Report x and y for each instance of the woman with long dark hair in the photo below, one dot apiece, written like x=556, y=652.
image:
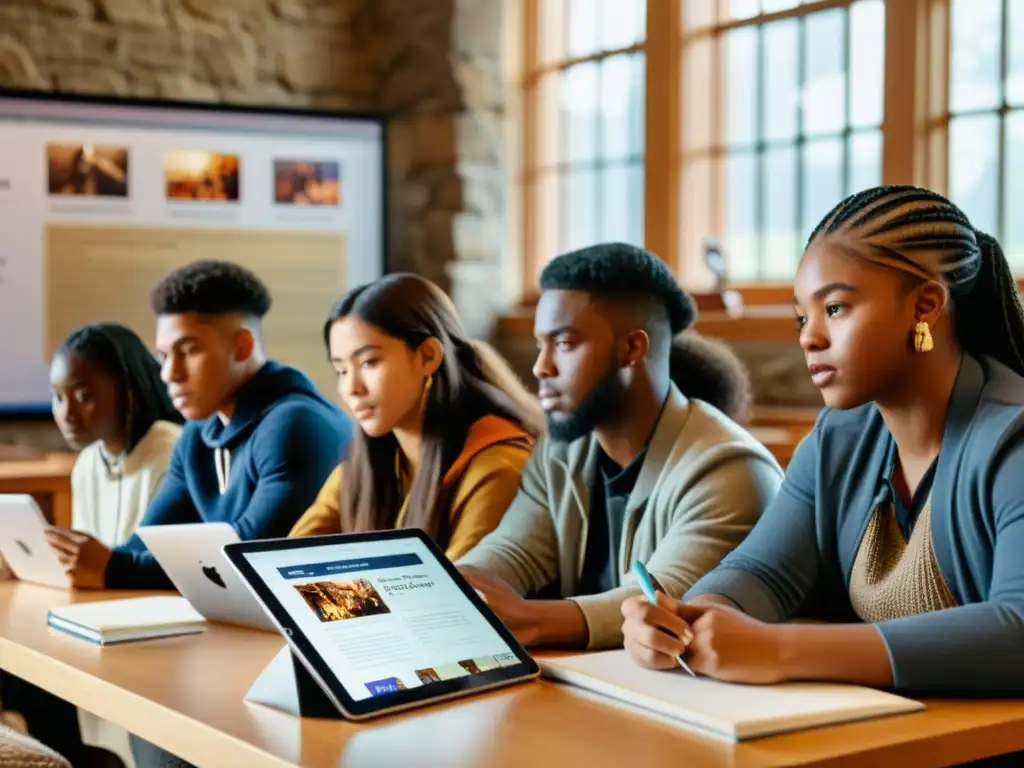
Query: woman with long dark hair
x=445, y=424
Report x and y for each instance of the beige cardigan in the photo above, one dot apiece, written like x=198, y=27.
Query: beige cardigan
x=703, y=484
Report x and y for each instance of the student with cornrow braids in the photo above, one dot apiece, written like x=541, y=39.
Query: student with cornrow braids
x=901, y=519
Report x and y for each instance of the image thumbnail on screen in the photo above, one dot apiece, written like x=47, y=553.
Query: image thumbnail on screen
x=340, y=600
x=193, y=175
x=299, y=182
x=87, y=170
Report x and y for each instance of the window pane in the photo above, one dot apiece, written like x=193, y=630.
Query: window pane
x=822, y=181
x=622, y=204
x=975, y=34
x=1013, y=195
x=865, y=161
x=740, y=9
x=779, y=75
x=579, y=201
x=622, y=22
x=867, y=62
x=622, y=106
x=1015, y=53
x=824, y=91
x=740, y=237
x=581, y=27
x=579, y=112
x=703, y=13
x=779, y=244
x=773, y=6
x=635, y=182
x=741, y=96
x=973, y=174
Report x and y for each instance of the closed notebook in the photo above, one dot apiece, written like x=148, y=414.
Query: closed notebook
x=726, y=710
x=134, y=618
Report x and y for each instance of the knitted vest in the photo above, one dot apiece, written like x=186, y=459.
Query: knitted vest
x=893, y=577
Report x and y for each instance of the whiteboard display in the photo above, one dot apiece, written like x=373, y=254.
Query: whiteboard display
x=100, y=198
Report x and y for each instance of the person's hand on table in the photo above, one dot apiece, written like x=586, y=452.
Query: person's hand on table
x=716, y=640
x=83, y=557
x=6, y=574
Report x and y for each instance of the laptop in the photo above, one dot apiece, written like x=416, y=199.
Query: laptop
x=192, y=557
x=23, y=543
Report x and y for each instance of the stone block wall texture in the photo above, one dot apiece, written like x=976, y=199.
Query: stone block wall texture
x=433, y=65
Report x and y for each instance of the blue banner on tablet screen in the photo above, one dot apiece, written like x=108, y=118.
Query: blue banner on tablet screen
x=384, y=615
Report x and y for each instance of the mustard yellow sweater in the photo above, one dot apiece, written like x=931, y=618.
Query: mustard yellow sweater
x=486, y=479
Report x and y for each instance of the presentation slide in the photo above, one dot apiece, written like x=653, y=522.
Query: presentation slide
x=99, y=200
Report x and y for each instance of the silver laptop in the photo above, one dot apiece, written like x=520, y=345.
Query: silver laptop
x=192, y=557
x=23, y=543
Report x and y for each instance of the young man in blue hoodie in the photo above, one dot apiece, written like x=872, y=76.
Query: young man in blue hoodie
x=260, y=440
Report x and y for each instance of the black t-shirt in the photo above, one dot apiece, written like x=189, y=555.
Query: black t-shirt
x=907, y=516
x=609, y=494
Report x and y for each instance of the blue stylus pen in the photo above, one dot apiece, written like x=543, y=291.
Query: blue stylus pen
x=647, y=585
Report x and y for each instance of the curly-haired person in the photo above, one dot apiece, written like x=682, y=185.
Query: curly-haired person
x=260, y=439
x=640, y=460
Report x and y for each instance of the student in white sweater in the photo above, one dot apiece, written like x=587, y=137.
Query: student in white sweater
x=110, y=405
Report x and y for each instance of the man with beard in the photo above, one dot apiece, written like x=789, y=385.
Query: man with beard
x=638, y=462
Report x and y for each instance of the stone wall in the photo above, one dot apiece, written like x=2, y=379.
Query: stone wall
x=433, y=65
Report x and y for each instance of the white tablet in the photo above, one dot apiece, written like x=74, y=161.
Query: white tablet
x=192, y=556
x=23, y=543
x=382, y=621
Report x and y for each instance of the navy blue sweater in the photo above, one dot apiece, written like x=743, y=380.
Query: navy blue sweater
x=259, y=472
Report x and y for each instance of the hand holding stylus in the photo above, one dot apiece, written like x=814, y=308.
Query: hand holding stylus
x=651, y=587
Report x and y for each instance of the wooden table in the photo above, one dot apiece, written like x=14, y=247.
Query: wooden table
x=44, y=476
x=185, y=694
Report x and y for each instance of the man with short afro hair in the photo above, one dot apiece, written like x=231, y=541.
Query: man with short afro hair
x=643, y=458
x=211, y=288
x=260, y=439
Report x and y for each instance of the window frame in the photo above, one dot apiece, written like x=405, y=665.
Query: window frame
x=915, y=128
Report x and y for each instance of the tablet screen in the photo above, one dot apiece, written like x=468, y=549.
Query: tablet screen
x=385, y=616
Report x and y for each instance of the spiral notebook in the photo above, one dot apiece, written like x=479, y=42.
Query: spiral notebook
x=726, y=710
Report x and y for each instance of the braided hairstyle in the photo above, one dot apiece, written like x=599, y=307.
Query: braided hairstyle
x=922, y=233
x=120, y=353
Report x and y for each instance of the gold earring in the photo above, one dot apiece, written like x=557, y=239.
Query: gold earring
x=426, y=391
x=923, y=338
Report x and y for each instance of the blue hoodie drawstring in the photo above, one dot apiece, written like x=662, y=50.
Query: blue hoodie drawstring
x=222, y=463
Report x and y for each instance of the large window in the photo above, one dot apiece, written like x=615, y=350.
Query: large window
x=986, y=125
x=585, y=175
x=677, y=123
x=800, y=116
x=791, y=123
